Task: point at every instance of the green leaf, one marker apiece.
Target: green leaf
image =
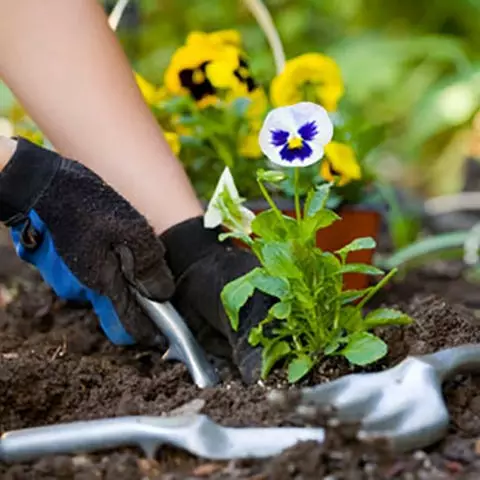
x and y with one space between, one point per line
239 235
364 348
386 316
298 368
236 293
275 286
327 261
189 141
234 296
321 219
267 226
360 268
240 106
279 260
349 296
351 319
316 200
331 348
281 310
362 243
272 354
255 336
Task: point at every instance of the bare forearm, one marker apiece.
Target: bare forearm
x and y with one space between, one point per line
63 62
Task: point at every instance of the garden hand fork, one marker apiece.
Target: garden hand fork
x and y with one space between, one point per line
403 404
182 344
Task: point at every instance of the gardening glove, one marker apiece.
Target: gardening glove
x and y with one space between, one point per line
88 243
202 266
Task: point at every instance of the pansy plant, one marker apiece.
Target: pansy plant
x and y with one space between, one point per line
216 106
313 317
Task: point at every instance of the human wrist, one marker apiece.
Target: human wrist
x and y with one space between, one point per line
7 149
26 175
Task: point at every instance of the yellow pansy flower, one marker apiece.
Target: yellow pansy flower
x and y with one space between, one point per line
220 37
258 105
222 72
35 136
186 73
150 92
310 77
249 147
173 141
209 66
23 126
340 163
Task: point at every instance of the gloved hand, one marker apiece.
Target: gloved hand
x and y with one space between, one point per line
88 242
202 266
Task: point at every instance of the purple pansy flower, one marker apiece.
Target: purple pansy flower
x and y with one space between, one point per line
295 136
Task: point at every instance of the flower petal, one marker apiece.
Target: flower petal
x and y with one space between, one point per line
307 120
279 137
173 141
302 153
343 161
308 131
319 73
213 216
237 217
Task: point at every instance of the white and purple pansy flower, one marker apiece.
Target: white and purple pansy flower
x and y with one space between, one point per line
295 136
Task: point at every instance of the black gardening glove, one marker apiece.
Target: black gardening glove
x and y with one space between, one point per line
87 241
202 266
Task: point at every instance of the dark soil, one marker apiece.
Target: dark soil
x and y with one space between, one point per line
56 366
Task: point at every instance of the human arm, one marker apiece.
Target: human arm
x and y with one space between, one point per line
84 98
78 86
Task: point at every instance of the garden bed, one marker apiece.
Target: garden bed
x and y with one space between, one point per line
56 366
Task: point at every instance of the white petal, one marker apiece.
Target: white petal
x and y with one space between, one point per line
247 219
226 181
304 112
290 119
213 216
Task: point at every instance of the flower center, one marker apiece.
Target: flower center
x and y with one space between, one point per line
198 77
294 143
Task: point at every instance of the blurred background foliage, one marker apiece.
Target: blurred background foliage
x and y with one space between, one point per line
411 67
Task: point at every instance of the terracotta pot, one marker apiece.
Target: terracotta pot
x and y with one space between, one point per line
357 221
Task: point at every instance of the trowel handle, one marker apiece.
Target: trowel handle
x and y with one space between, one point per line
69 438
450 361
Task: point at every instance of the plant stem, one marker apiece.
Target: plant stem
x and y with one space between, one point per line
377 287
270 201
297 196
222 151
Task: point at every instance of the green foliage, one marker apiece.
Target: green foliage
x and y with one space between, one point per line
419 72
210 141
313 317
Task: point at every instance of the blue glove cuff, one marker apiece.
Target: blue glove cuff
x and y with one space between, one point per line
59 277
